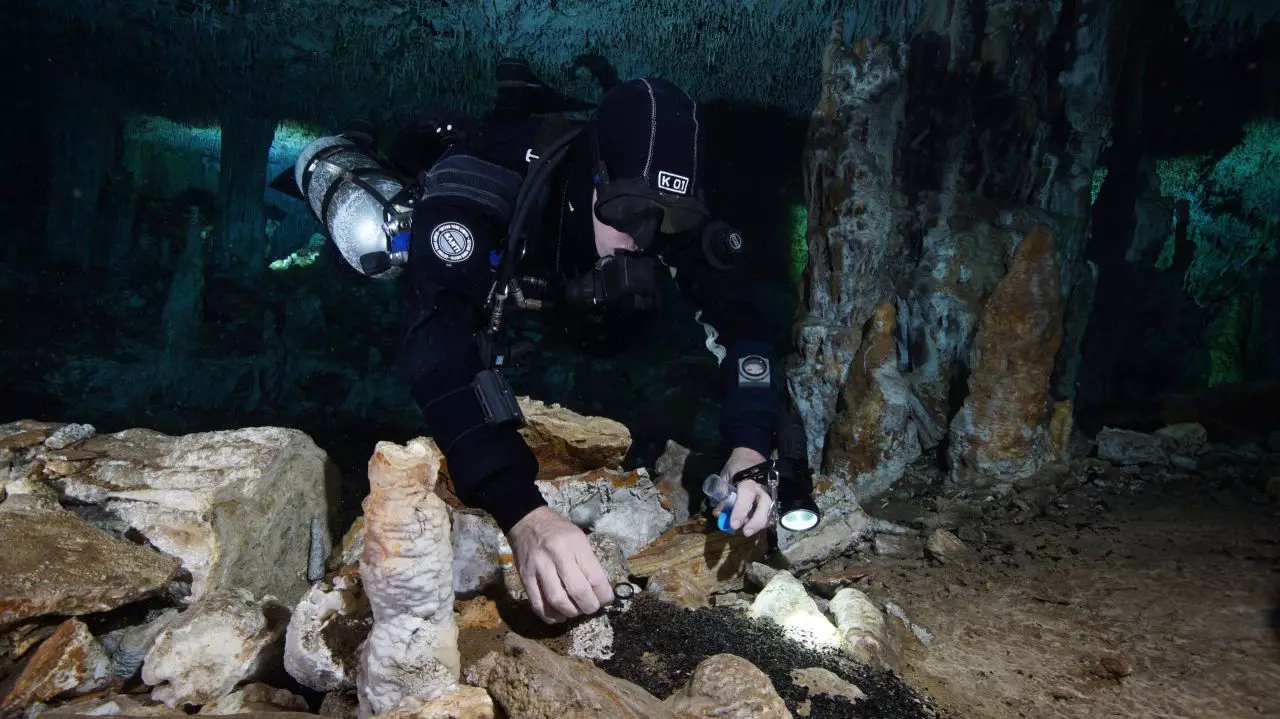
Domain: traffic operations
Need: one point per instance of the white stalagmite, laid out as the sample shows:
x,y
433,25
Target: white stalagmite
x,y
407,569
864,634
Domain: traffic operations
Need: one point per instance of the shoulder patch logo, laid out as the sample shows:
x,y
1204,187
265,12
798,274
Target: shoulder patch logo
x,y
671,182
452,242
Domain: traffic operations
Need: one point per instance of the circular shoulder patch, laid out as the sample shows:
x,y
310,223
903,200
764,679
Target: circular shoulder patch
x,y
452,242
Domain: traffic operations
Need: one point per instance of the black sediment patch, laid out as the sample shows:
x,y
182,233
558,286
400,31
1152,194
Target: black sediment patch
x,y
657,646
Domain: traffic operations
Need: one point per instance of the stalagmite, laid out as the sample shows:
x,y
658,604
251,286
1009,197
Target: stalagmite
x,y
406,567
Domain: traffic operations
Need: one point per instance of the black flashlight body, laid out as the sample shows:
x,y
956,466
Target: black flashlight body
x,y
797,511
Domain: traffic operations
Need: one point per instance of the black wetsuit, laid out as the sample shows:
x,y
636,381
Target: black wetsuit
x,y
491,466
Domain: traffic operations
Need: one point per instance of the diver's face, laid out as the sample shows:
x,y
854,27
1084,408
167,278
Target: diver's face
x,y
608,239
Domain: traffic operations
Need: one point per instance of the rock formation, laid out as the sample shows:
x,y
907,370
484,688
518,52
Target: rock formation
x,y
874,437
69,663
219,642
624,505
1002,432
407,571
530,681
236,507
566,442
324,634
55,563
914,214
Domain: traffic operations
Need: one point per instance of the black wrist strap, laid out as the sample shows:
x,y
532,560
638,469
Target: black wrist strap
x,y
756,473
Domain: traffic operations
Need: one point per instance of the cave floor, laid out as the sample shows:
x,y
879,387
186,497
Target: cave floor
x,y
1176,586
1155,598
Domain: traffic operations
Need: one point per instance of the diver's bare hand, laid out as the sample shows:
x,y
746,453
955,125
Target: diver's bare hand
x,y
561,574
751,509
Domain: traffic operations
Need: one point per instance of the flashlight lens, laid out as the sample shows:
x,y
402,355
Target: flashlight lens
x,y
799,520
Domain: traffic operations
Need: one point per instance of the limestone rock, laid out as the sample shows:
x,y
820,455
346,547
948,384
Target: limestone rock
x,y
825,582
565,442
477,551
670,481
131,705
874,438
592,638
236,507
894,546
612,557
29,492
25,433
462,703
69,663
214,645
54,563
734,600
322,642
478,613
407,570
70,434
679,586
947,548
725,686
352,544
785,602
1001,434
1187,439
758,575
716,561
1126,447
532,682
256,699
623,505
824,682
863,631
16,641
129,646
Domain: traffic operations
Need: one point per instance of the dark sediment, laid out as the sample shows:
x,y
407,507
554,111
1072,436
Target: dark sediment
x,y
657,646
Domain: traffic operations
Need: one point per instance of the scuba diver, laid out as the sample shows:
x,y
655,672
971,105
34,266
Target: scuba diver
x,y
574,216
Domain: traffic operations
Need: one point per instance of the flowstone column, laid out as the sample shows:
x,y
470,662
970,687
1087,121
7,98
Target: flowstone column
x,y
242,184
855,257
